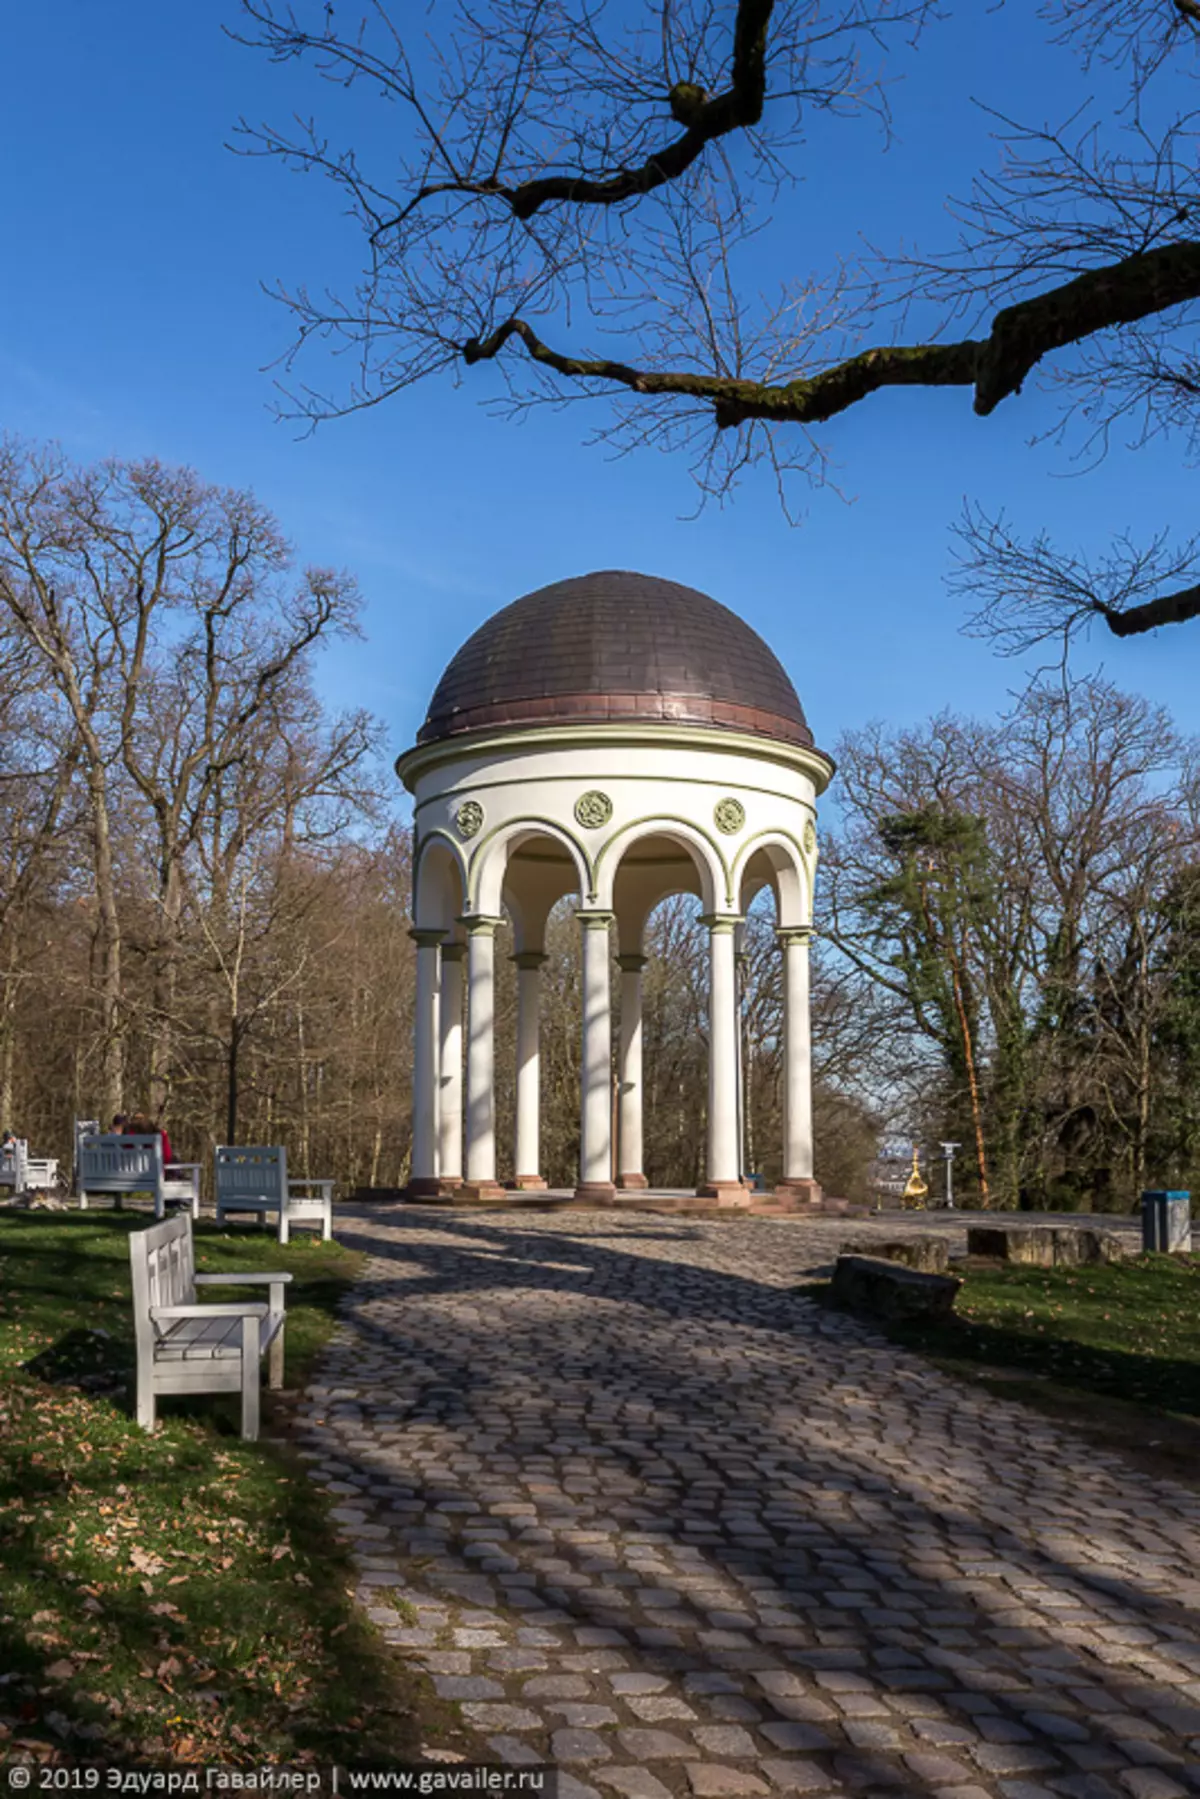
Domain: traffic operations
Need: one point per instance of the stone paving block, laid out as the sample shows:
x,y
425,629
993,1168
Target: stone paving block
x,y
501,1717
710,1780
937,1770
626,1683
653,1745
730,1706
466,1686
514,1752
634,1783
784,1775
579,1746
797,1736
1012,1758
582,1717
657,1708
725,1740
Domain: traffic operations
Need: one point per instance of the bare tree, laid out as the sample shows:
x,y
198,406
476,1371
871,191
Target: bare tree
x,y
156,614
569,191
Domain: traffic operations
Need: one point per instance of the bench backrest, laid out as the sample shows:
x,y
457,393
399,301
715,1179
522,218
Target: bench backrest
x,y
162,1264
120,1164
84,1127
14,1165
251,1172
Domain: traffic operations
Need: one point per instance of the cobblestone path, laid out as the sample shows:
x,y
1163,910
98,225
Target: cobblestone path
x,y
670,1525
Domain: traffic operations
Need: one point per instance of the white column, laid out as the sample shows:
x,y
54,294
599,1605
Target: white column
x,y
423,1174
722,1172
527,1152
595,1144
629,1121
450,1084
797,1065
481,1058
741,964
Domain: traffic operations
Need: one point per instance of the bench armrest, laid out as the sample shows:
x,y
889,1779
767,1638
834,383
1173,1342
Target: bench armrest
x,y
238,1280
254,1308
181,1167
302,1180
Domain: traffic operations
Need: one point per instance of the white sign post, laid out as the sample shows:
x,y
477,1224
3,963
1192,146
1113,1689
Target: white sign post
x,y
948,1150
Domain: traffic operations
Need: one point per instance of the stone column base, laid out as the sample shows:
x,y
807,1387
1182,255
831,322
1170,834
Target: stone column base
x,y
423,1186
489,1190
632,1183
448,1184
801,1193
596,1193
725,1193
529,1183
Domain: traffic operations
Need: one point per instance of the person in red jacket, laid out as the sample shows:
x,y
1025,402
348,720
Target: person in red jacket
x,y
140,1126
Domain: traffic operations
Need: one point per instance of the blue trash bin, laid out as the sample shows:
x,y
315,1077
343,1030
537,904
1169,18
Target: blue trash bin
x,y
1166,1222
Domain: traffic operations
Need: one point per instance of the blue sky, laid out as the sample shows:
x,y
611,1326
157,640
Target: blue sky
x,y
132,323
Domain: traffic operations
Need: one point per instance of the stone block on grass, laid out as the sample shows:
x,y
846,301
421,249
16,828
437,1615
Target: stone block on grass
x,y
874,1288
1030,1245
1044,1245
929,1255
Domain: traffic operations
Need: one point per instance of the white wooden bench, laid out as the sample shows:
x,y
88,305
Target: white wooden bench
x,y
23,1172
187,1347
108,1164
254,1178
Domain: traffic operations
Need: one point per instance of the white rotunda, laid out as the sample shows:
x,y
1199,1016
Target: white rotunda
x,y
621,738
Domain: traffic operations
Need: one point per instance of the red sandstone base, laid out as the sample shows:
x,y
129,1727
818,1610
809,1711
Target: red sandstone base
x,y
487,1190
595,1193
802,1194
632,1183
529,1183
725,1193
424,1186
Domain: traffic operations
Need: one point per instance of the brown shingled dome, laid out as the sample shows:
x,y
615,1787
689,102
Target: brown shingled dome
x,y
616,647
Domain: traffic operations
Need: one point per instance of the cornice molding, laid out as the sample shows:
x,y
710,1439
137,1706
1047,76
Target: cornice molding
x,y
421,758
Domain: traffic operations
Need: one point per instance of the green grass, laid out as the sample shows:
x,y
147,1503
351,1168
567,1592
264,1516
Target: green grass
x,y
178,1596
1129,1331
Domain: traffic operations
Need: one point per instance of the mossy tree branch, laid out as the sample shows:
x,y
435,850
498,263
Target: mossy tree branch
x,y
995,366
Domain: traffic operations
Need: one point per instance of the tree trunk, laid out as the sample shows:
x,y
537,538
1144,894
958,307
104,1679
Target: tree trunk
x,y
231,1079
166,982
8,1006
972,1084
108,951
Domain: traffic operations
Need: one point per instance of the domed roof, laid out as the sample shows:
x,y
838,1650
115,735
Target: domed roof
x,y
616,647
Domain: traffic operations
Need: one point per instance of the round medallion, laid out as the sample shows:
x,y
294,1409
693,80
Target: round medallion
x,y
810,837
469,818
730,816
593,809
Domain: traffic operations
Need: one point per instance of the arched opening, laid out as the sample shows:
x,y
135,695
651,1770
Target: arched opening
x,y
439,884
667,877
675,1043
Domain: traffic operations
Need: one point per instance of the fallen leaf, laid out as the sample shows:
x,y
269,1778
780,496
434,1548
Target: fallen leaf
x,y
145,1561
